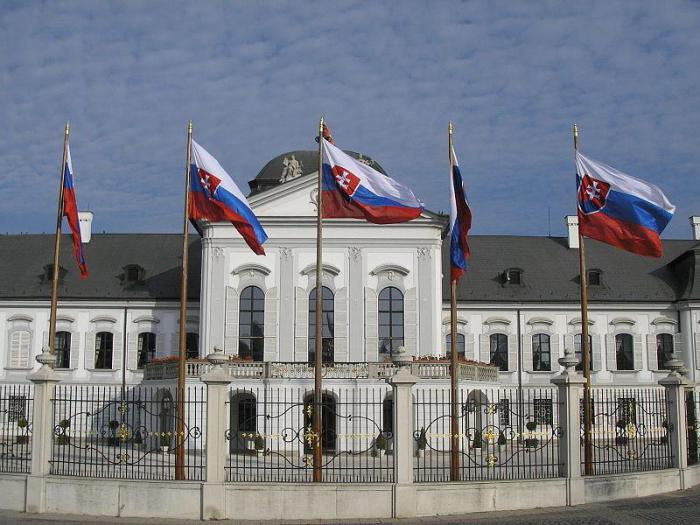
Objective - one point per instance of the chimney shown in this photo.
(572, 230)
(695, 223)
(85, 220)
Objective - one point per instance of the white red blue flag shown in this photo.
(214, 196)
(460, 221)
(620, 210)
(70, 212)
(352, 189)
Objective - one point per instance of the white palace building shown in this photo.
(384, 286)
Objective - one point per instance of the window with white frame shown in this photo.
(499, 351)
(104, 346)
(578, 351)
(664, 350)
(146, 348)
(62, 349)
(459, 344)
(624, 352)
(20, 347)
(391, 311)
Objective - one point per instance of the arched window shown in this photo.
(578, 351)
(251, 342)
(460, 345)
(327, 326)
(499, 351)
(147, 348)
(192, 345)
(624, 352)
(664, 350)
(390, 320)
(62, 349)
(19, 349)
(541, 355)
(104, 344)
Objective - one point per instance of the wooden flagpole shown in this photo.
(182, 352)
(57, 245)
(586, 351)
(318, 347)
(454, 422)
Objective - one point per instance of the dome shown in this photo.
(294, 164)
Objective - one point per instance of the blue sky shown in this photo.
(255, 76)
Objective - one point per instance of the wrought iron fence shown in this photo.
(270, 434)
(15, 427)
(504, 433)
(630, 431)
(129, 433)
(692, 407)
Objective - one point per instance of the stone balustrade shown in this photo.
(355, 370)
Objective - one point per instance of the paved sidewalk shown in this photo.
(677, 508)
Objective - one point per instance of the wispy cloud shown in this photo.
(254, 77)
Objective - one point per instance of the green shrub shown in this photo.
(380, 442)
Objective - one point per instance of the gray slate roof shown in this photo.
(23, 259)
(550, 271)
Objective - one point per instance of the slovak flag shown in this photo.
(70, 212)
(460, 221)
(215, 197)
(620, 210)
(353, 190)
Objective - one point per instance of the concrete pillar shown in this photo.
(404, 492)
(214, 490)
(675, 385)
(570, 384)
(44, 380)
(572, 231)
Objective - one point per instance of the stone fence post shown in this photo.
(214, 490)
(677, 425)
(570, 384)
(44, 380)
(404, 494)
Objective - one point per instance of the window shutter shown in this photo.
(19, 349)
(637, 351)
(161, 345)
(697, 350)
(132, 351)
(175, 344)
(527, 354)
(610, 355)
(231, 326)
(90, 350)
(301, 328)
(679, 345)
(596, 353)
(569, 343)
(410, 320)
(371, 325)
(484, 350)
(271, 325)
(45, 340)
(117, 350)
(74, 359)
(651, 352)
(554, 352)
(469, 346)
(512, 353)
(340, 328)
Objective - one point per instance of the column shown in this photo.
(570, 385)
(675, 385)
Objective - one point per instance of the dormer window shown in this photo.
(47, 277)
(133, 274)
(513, 277)
(593, 277)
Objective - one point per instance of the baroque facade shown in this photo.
(384, 286)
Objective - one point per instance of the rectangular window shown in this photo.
(104, 344)
(146, 348)
(542, 409)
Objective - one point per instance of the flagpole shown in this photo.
(318, 347)
(586, 351)
(57, 245)
(454, 424)
(182, 355)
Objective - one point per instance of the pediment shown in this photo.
(295, 198)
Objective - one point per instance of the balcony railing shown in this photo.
(289, 370)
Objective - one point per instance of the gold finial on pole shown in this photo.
(320, 126)
(450, 127)
(575, 132)
(189, 126)
(67, 129)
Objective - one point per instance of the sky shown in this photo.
(388, 75)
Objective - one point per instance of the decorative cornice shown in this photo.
(103, 319)
(664, 320)
(20, 317)
(325, 268)
(497, 320)
(540, 320)
(386, 268)
(623, 320)
(577, 320)
(146, 319)
(252, 269)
